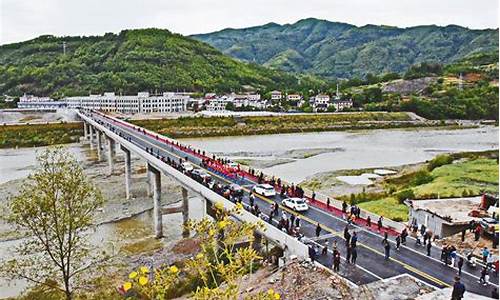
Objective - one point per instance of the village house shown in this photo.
(275, 95)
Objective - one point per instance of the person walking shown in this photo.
(368, 222)
(297, 221)
(453, 256)
(460, 264)
(348, 254)
(387, 249)
(312, 254)
(328, 202)
(354, 255)
(354, 239)
(485, 253)
(379, 223)
(318, 230)
(324, 251)
(347, 236)
(482, 279)
(344, 207)
(336, 262)
(429, 247)
(398, 242)
(463, 235)
(458, 290)
(404, 234)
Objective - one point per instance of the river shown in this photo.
(348, 150)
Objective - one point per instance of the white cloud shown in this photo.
(25, 19)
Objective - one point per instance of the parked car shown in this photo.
(266, 190)
(200, 175)
(187, 167)
(297, 204)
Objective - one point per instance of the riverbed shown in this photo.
(346, 150)
(123, 226)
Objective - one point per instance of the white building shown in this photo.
(320, 102)
(34, 102)
(140, 103)
(340, 104)
(275, 95)
(293, 97)
(218, 104)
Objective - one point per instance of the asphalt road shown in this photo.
(370, 265)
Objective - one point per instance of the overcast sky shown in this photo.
(25, 19)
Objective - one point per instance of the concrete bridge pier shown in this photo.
(157, 209)
(92, 131)
(85, 131)
(185, 211)
(128, 172)
(111, 154)
(99, 145)
(149, 183)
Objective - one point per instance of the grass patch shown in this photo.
(474, 177)
(226, 126)
(388, 207)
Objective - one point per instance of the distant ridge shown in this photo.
(341, 50)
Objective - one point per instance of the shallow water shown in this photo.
(351, 150)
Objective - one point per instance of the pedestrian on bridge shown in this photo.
(318, 230)
(354, 239)
(348, 254)
(344, 207)
(460, 264)
(387, 249)
(347, 236)
(354, 256)
(404, 234)
(458, 290)
(324, 251)
(379, 223)
(336, 262)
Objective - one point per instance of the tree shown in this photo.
(54, 208)
(216, 272)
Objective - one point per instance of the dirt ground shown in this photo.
(468, 245)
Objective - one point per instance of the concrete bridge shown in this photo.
(106, 134)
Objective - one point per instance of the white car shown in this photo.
(187, 167)
(297, 204)
(266, 190)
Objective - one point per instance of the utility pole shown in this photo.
(64, 47)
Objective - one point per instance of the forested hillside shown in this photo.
(339, 50)
(128, 62)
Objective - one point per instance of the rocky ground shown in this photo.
(328, 184)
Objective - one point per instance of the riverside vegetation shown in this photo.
(445, 176)
(229, 126)
(35, 135)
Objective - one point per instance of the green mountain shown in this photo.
(128, 62)
(339, 50)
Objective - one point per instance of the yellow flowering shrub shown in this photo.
(218, 268)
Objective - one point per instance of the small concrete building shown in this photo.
(444, 217)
